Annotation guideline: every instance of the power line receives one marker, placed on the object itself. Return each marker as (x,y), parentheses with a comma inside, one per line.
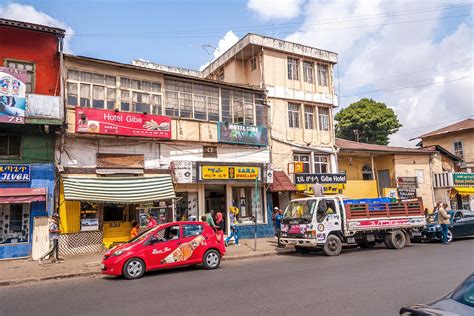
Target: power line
(407,87)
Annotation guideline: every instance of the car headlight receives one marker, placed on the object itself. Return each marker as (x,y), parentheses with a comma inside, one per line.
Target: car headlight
(118,253)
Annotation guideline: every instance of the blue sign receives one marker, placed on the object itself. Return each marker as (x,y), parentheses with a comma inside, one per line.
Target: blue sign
(242,134)
(15,173)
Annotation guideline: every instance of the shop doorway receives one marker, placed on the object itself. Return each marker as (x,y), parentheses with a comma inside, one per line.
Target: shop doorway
(215,199)
(384,180)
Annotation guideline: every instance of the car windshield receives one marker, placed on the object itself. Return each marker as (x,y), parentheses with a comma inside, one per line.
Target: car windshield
(300,209)
(465,294)
(144,234)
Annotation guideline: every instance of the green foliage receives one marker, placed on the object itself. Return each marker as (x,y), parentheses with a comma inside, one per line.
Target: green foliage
(367,121)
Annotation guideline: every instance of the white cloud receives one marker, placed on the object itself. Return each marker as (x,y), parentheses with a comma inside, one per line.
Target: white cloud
(378,51)
(224,44)
(28,13)
(275,9)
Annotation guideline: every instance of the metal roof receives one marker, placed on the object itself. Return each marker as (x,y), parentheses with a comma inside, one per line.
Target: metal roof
(32,26)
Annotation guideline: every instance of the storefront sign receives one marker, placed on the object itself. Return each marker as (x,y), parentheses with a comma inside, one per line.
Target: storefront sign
(229,172)
(242,134)
(12,95)
(463,179)
(94,121)
(332,188)
(406,193)
(323,178)
(407,182)
(15,173)
(182,171)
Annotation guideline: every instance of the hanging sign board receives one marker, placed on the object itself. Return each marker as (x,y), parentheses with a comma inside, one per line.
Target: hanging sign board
(12,95)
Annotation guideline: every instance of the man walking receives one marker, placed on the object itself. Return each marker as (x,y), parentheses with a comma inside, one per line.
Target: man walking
(318,190)
(277,217)
(443,220)
(54,231)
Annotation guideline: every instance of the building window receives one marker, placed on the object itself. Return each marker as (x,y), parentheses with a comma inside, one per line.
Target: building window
(244,199)
(10,146)
(30,72)
(238,103)
(100,91)
(15,223)
(323,117)
(309,117)
(321,164)
(293,64)
(293,115)
(420,176)
(323,74)
(253,63)
(367,172)
(308,71)
(304,158)
(458,149)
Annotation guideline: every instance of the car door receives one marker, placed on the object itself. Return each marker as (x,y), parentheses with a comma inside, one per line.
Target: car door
(328,216)
(162,248)
(462,226)
(193,242)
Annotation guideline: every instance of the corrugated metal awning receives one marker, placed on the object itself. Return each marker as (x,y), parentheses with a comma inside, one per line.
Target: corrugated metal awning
(119,189)
(22,195)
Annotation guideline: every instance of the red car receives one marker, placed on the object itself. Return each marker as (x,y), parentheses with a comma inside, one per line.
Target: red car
(165,246)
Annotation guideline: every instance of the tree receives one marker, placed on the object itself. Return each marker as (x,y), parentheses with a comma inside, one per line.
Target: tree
(367,121)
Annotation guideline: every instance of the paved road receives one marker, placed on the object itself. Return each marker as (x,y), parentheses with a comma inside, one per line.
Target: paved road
(359,282)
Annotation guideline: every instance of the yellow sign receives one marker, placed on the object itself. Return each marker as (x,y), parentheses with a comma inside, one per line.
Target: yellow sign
(299,167)
(333,188)
(229,173)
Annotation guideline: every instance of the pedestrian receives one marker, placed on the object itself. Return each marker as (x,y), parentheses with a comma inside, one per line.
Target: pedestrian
(276,218)
(234,229)
(443,220)
(54,231)
(220,225)
(318,190)
(210,219)
(151,221)
(134,230)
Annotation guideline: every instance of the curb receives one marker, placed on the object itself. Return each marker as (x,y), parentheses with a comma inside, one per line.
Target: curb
(96,273)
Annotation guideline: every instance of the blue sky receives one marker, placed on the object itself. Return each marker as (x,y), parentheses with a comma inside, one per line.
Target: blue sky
(415,56)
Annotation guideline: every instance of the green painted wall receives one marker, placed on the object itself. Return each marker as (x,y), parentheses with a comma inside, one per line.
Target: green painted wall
(34,149)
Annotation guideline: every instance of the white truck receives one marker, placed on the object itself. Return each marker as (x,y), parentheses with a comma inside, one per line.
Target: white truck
(329,222)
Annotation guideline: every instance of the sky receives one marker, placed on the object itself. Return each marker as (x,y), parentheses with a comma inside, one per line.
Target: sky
(415,56)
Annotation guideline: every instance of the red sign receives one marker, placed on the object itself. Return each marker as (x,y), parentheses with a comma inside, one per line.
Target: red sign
(94,121)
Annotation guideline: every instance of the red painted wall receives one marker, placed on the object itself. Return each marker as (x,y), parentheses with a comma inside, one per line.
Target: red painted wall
(35,47)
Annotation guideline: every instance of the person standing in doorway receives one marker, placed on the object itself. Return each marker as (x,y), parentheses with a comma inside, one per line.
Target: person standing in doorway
(277,217)
(54,231)
(443,220)
(234,229)
(318,190)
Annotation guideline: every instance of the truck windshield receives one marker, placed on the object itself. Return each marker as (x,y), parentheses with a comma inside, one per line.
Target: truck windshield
(300,210)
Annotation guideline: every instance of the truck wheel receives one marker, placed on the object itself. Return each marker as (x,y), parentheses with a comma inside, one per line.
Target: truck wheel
(300,249)
(211,259)
(367,244)
(134,268)
(333,246)
(397,239)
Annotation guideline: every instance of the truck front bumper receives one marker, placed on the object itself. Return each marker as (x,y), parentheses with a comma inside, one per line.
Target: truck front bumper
(303,242)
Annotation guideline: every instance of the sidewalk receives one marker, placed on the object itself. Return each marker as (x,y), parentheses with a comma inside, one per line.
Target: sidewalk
(26,270)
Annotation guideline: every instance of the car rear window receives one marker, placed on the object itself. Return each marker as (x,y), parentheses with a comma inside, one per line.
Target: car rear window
(190,230)
(465,294)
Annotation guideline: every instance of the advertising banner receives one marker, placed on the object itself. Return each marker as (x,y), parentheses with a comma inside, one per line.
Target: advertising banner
(242,134)
(322,178)
(15,173)
(229,172)
(407,182)
(95,121)
(465,179)
(12,95)
(406,193)
(182,171)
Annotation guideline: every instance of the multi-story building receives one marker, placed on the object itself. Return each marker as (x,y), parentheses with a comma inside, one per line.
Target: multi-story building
(454,185)
(31,113)
(299,86)
(157,140)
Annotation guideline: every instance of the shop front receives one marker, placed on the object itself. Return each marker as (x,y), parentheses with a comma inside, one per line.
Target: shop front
(97,212)
(462,192)
(26,194)
(245,186)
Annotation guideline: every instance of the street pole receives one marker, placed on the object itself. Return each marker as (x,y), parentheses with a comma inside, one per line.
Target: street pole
(256,213)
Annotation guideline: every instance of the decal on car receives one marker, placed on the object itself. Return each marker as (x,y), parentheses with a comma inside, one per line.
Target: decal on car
(184,251)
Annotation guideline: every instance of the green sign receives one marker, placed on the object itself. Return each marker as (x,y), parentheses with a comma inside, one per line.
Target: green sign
(463,179)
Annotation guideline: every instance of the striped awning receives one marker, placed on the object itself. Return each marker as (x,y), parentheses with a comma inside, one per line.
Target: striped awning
(118,189)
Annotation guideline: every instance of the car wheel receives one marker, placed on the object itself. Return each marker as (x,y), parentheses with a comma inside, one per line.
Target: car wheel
(303,250)
(333,246)
(211,259)
(397,239)
(134,268)
(450,235)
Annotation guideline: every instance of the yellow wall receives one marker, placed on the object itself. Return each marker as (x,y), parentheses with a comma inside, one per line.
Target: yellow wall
(358,189)
(70,214)
(446,141)
(353,167)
